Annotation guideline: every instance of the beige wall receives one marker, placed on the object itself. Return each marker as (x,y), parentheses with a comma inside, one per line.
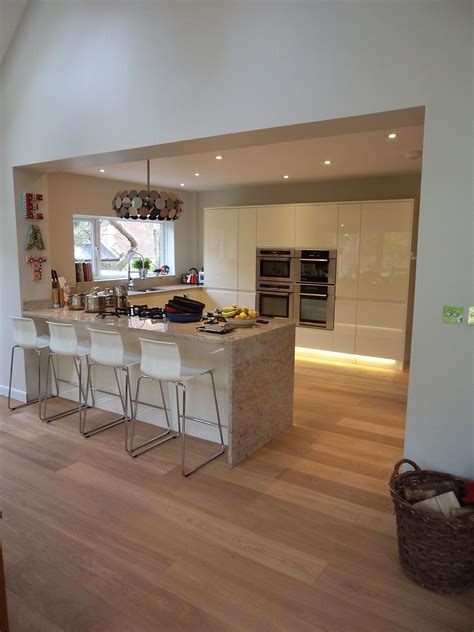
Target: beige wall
(70,194)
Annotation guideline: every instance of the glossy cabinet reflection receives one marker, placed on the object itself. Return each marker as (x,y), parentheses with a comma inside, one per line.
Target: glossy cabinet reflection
(219,299)
(348,240)
(316,226)
(221,228)
(385,245)
(276,226)
(381,331)
(345,326)
(247,246)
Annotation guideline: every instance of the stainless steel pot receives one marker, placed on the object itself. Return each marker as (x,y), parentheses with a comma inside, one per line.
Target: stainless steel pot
(76,301)
(98,302)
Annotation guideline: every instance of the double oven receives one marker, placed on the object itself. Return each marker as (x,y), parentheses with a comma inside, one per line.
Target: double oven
(275,282)
(297,284)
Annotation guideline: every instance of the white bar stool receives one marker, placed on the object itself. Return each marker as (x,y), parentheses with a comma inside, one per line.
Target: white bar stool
(26,337)
(161,361)
(64,343)
(107,351)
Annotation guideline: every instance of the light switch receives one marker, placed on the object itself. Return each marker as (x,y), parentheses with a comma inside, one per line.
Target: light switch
(470,316)
(452,315)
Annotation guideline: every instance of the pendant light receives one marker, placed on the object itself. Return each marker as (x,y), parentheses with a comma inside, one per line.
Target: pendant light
(149,204)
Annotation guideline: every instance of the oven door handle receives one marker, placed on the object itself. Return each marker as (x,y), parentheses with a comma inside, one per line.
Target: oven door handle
(309,260)
(304,294)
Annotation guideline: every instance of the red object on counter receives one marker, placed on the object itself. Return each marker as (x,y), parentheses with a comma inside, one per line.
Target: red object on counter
(468,499)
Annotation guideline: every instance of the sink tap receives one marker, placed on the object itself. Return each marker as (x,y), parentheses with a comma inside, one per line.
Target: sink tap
(131,256)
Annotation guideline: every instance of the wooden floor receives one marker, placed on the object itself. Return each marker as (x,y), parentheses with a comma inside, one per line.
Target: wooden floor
(300,537)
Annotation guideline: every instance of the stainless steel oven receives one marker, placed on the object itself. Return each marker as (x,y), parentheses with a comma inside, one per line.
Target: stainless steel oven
(275,265)
(315,266)
(275,299)
(314,305)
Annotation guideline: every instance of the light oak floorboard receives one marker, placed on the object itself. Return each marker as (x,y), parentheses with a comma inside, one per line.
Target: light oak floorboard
(299,538)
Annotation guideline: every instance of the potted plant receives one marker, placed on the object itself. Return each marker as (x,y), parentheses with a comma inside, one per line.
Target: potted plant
(143,270)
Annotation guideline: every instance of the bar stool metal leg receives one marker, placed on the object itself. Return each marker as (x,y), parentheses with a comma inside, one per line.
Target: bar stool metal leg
(135,451)
(36,400)
(52,369)
(183,427)
(124,398)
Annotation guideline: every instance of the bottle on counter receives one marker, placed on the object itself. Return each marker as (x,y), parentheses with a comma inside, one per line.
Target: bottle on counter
(55,289)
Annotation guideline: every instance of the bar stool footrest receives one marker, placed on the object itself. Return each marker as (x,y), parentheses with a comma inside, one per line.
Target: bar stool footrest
(152,443)
(198,467)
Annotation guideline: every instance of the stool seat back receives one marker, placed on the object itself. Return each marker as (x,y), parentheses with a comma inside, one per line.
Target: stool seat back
(63,338)
(160,360)
(24,332)
(107,347)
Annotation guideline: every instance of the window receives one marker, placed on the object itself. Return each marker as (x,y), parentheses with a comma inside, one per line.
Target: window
(104,243)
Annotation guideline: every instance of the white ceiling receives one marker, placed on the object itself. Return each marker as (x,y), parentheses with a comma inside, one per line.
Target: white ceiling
(353,155)
(10,16)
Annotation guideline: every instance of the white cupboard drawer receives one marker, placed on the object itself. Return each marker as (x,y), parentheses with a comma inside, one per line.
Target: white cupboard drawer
(276,226)
(380,331)
(316,226)
(348,238)
(345,326)
(314,338)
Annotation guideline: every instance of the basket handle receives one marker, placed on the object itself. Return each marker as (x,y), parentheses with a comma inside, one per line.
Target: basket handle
(397,466)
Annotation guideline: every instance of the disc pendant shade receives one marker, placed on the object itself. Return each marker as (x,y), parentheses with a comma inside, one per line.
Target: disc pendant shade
(159,205)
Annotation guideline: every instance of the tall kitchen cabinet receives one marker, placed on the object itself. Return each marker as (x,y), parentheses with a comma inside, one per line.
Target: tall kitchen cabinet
(347,277)
(384,274)
(230,236)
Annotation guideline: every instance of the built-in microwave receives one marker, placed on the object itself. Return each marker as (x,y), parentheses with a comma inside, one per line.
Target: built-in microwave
(275,264)
(315,266)
(275,299)
(315,305)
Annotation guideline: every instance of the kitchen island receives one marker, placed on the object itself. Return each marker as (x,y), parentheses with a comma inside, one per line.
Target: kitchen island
(253,368)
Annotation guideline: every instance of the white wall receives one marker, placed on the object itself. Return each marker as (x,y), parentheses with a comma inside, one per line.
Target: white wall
(74,85)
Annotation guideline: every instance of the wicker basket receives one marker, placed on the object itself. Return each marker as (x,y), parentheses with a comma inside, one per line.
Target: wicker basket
(435,551)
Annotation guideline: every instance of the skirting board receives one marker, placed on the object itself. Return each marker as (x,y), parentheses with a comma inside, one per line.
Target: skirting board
(20,396)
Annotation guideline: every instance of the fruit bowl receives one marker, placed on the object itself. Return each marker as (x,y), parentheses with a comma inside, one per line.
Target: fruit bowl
(241,322)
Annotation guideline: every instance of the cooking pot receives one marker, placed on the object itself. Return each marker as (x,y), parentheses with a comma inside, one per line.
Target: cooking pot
(98,302)
(76,301)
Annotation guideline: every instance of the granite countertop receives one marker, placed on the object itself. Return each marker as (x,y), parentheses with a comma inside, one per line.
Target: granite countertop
(174,330)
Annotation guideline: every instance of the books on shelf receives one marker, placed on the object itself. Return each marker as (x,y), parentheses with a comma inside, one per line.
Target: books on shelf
(83,271)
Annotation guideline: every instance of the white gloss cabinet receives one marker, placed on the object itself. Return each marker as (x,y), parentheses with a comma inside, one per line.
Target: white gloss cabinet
(316,226)
(348,241)
(345,317)
(246,299)
(275,226)
(381,331)
(221,228)
(385,245)
(217,299)
(247,247)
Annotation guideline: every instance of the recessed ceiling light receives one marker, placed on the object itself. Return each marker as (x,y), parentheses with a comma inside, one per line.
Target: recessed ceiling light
(286,177)
(196,174)
(102,170)
(182,184)
(219,157)
(327,162)
(392,135)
